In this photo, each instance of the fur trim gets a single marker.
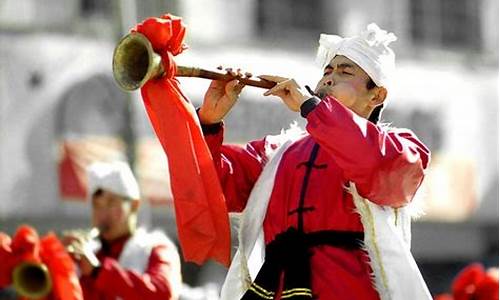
(293, 133)
(416, 208)
(387, 242)
(379, 278)
(251, 249)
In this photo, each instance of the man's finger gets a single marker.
(230, 71)
(273, 78)
(277, 88)
(234, 87)
(74, 251)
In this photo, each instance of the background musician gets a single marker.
(127, 262)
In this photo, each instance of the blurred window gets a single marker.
(289, 18)
(93, 107)
(446, 23)
(148, 8)
(92, 7)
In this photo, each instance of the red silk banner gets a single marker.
(200, 209)
(26, 246)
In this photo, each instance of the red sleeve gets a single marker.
(161, 280)
(386, 165)
(238, 167)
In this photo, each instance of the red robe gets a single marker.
(112, 281)
(387, 167)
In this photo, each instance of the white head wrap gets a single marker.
(116, 177)
(369, 50)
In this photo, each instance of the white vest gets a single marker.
(137, 250)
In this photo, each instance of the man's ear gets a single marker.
(379, 95)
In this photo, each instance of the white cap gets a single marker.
(369, 50)
(116, 177)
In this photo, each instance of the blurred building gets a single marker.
(60, 109)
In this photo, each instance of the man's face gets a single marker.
(347, 82)
(110, 214)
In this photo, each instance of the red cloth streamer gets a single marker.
(66, 285)
(473, 283)
(26, 246)
(201, 213)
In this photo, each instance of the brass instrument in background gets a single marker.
(84, 237)
(32, 280)
(135, 62)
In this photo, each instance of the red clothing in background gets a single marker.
(161, 279)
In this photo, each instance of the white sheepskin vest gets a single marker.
(137, 250)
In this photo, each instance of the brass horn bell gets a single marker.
(135, 62)
(32, 280)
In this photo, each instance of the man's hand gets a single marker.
(288, 90)
(220, 98)
(81, 253)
